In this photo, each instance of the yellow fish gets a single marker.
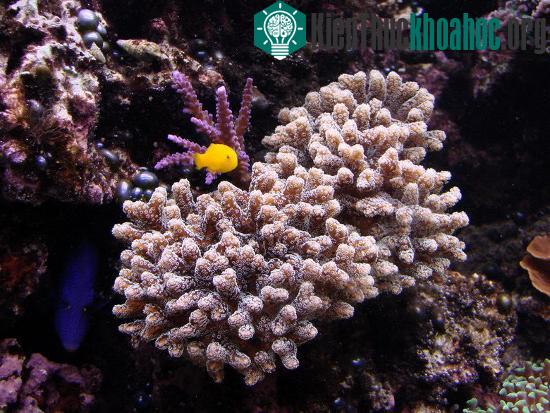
(218, 159)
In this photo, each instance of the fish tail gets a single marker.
(198, 161)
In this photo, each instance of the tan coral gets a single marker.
(369, 136)
(537, 263)
(238, 277)
(340, 212)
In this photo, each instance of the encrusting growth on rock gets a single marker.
(341, 213)
(32, 383)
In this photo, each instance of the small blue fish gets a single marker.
(76, 293)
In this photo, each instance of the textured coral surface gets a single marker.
(369, 137)
(237, 276)
(537, 263)
(525, 389)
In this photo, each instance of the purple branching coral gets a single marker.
(225, 130)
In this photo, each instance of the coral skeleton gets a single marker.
(225, 130)
(239, 277)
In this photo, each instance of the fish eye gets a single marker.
(227, 156)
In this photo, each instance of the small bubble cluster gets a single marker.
(140, 189)
(204, 53)
(91, 30)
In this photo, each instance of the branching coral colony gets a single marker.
(341, 212)
(225, 131)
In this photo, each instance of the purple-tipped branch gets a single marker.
(192, 104)
(186, 144)
(243, 169)
(210, 177)
(226, 130)
(224, 120)
(203, 127)
(184, 159)
(243, 120)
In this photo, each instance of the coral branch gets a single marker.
(224, 131)
(224, 120)
(210, 177)
(176, 159)
(205, 128)
(243, 120)
(192, 104)
(186, 144)
(243, 169)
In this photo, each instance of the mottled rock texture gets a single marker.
(35, 384)
(50, 101)
(59, 98)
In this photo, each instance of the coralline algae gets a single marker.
(34, 384)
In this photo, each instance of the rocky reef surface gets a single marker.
(86, 100)
(35, 384)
